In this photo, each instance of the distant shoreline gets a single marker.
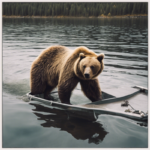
(119, 16)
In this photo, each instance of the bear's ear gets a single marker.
(100, 57)
(81, 55)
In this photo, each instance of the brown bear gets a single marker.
(62, 67)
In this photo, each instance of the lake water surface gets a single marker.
(32, 125)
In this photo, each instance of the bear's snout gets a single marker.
(87, 72)
(87, 75)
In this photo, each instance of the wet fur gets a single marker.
(59, 66)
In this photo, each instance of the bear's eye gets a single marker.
(92, 67)
(84, 66)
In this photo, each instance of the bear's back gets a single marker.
(50, 63)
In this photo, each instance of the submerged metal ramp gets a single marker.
(91, 111)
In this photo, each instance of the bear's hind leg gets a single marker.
(65, 88)
(37, 87)
(47, 92)
(91, 89)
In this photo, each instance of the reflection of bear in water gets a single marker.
(79, 129)
(59, 66)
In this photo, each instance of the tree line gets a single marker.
(73, 9)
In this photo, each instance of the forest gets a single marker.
(73, 9)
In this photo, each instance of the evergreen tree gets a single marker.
(73, 9)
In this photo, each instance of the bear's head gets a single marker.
(89, 66)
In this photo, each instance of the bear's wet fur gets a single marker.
(58, 66)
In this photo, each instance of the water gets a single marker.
(33, 125)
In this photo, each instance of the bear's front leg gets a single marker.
(65, 87)
(91, 89)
